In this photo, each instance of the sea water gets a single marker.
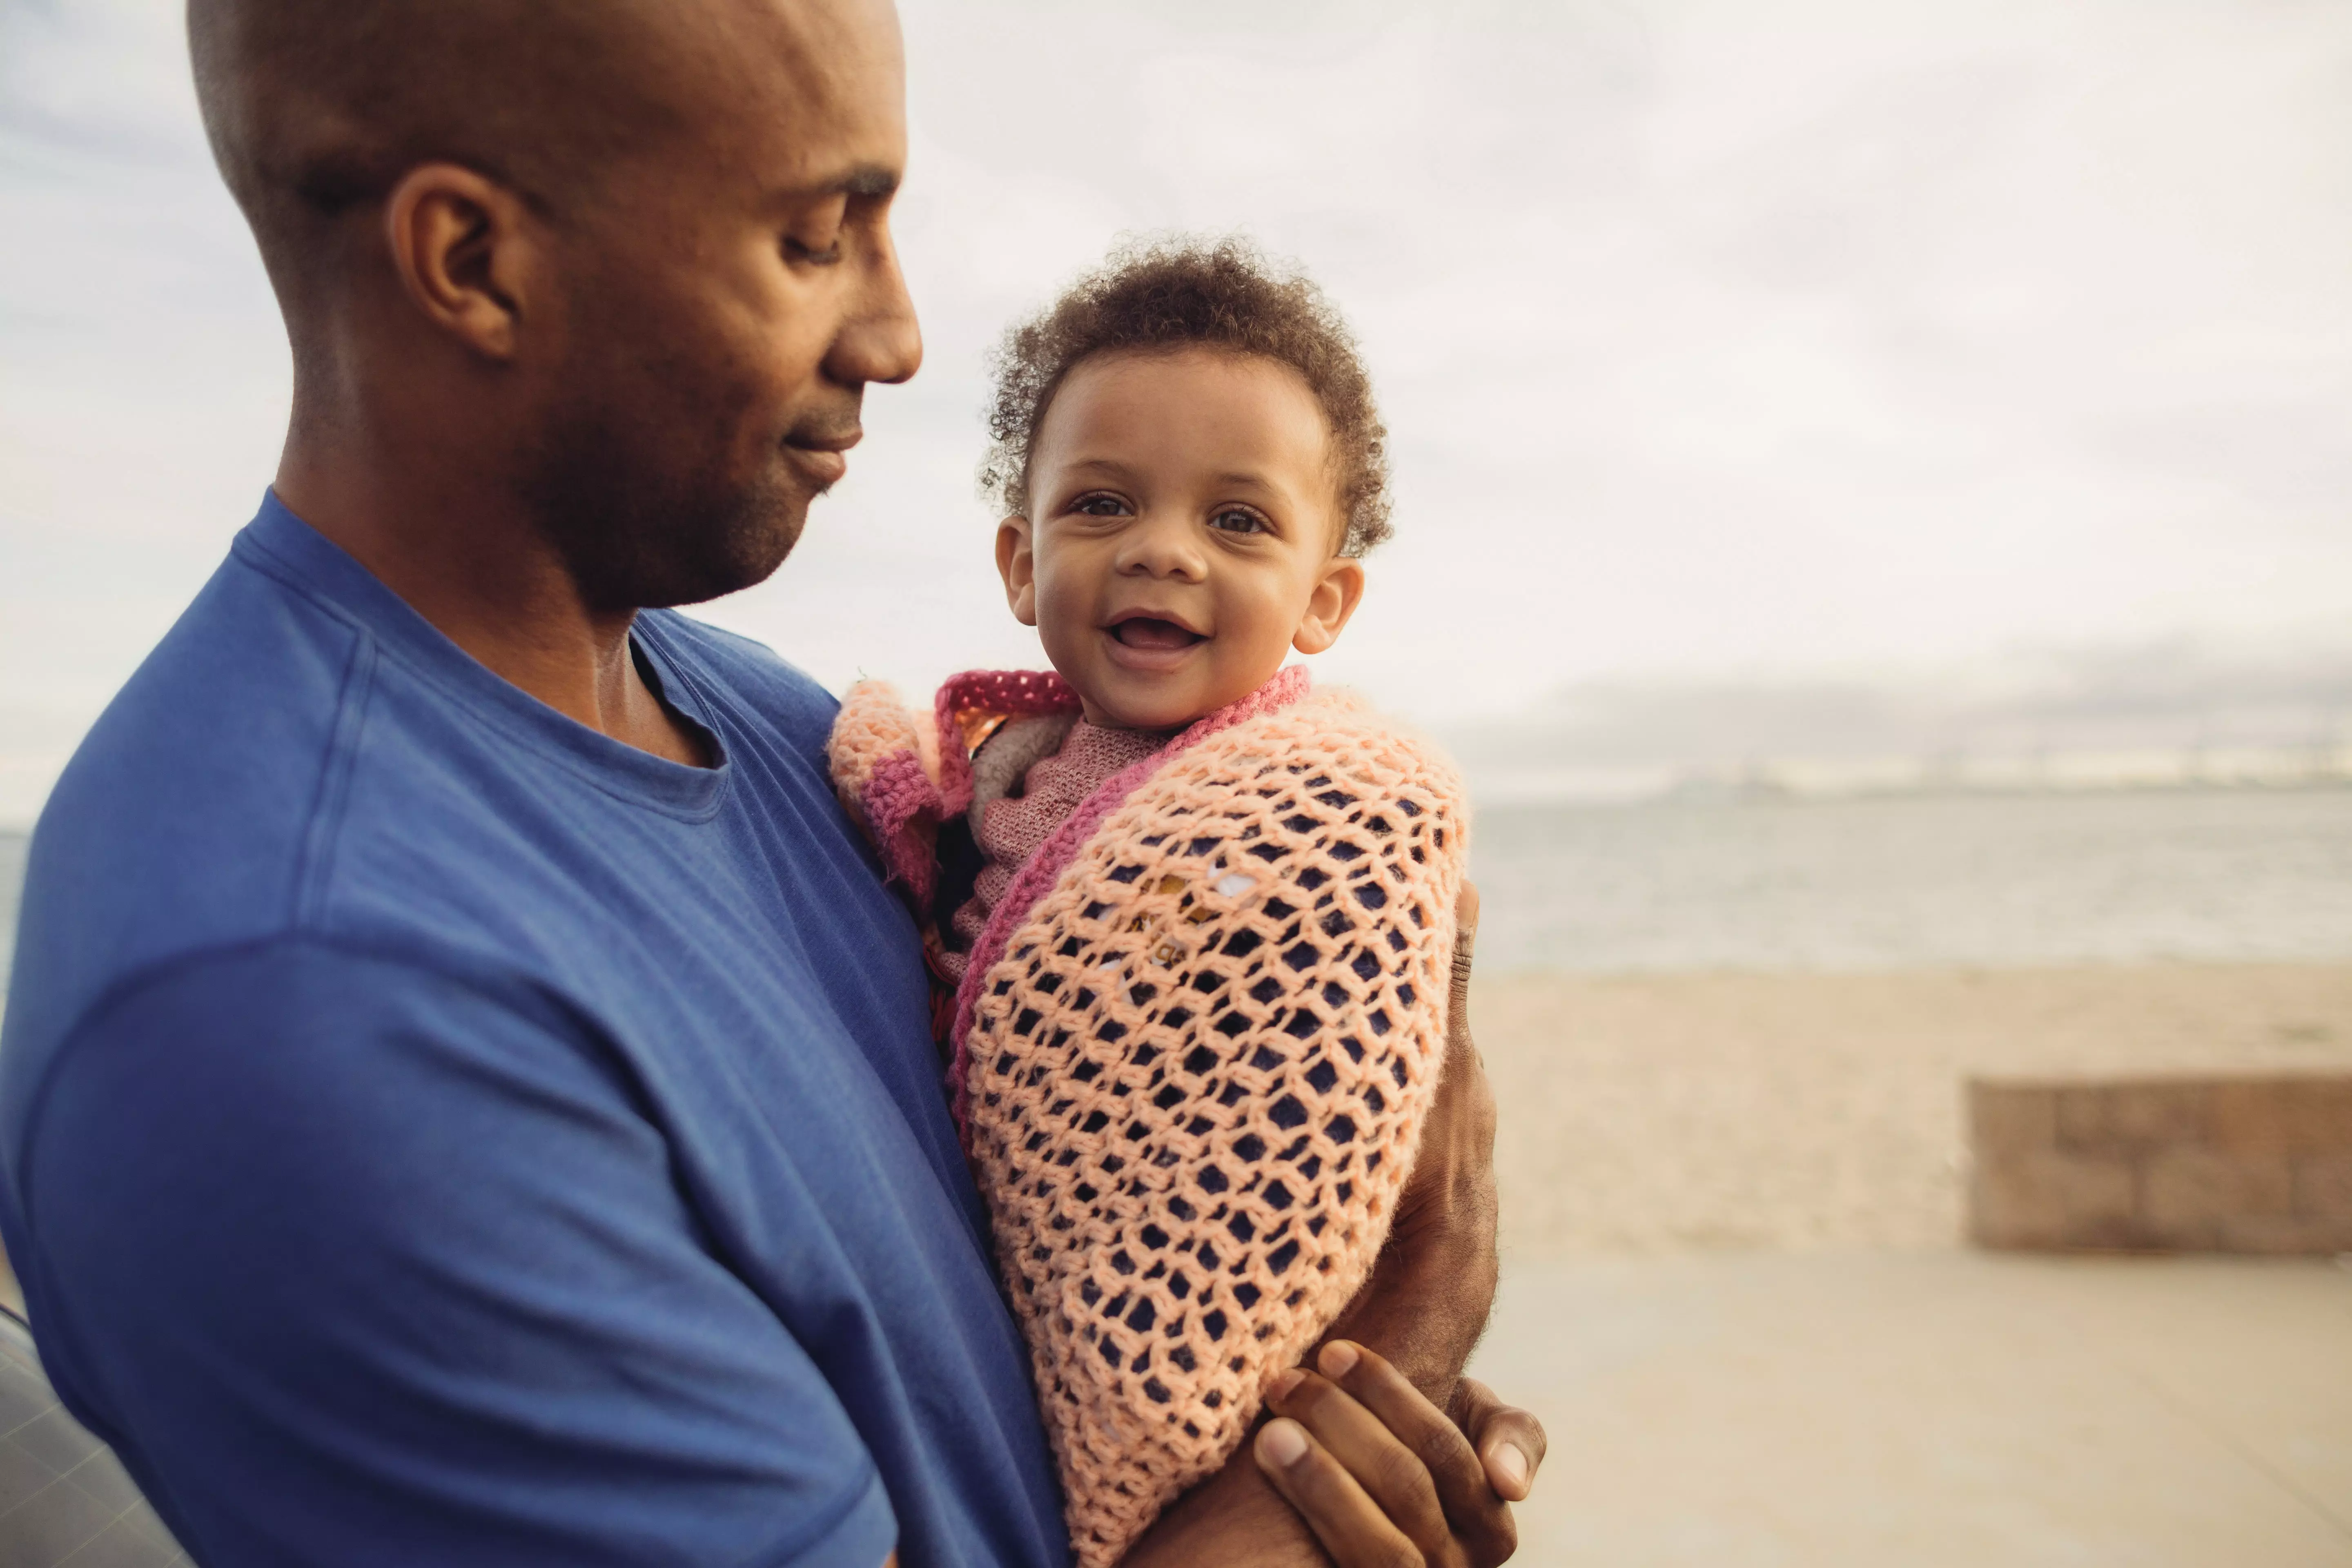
(1888, 882)
(1918, 881)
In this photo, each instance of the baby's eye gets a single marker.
(1233, 519)
(1100, 506)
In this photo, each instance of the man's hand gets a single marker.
(1426, 1302)
(1359, 1464)
(1383, 1477)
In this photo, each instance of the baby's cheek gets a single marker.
(1062, 614)
(1267, 625)
(1066, 648)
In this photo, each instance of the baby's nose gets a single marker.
(1162, 551)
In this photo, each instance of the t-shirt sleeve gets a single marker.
(360, 1263)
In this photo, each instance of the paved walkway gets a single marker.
(1921, 1409)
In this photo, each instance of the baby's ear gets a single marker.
(1336, 594)
(1018, 566)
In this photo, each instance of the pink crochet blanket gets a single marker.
(1192, 1054)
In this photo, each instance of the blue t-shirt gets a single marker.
(436, 1133)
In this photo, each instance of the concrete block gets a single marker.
(2323, 1186)
(2320, 1115)
(2125, 1118)
(2284, 1235)
(2050, 1200)
(2283, 1116)
(2256, 1164)
(2185, 1194)
(2249, 1118)
(2009, 1206)
(2005, 1118)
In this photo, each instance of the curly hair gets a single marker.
(1170, 293)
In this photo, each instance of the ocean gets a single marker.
(1917, 881)
(1888, 882)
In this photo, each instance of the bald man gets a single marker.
(466, 1096)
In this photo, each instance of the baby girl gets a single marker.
(1191, 920)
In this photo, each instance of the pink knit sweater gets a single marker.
(1193, 1048)
(1010, 829)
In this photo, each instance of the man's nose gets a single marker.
(881, 340)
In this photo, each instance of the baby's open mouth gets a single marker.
(1149, 631)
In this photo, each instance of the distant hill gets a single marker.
(2161, 713)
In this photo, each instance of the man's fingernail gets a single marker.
(1282, 1443)
(1283, 1382)
(1511, 1466)
(1339, 1359)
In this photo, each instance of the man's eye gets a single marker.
(1102, 506)
(812, 231)
(1233, 520)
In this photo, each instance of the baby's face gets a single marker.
(1183, 533)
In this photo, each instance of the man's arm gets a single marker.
(360, 1264)
(1427, 1303)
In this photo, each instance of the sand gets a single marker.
(1822, 1112)
(1932, 1409)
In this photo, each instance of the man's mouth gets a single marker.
(1154, 634)
(819, 454)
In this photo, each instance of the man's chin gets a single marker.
(634, 540)
(747, 555)
(664, 556)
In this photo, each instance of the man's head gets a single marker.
(627, 260)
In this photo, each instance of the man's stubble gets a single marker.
(639, 480)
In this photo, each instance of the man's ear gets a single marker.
(466, 254)
(1017, 564)
(1337, 594)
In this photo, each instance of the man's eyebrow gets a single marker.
(866, 180)
(859, 180)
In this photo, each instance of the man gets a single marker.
(466, 1096)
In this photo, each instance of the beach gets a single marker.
(1735, 1292)
(1793, 1112)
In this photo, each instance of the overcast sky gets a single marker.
(1738, 344)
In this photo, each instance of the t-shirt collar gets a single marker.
(314, 561)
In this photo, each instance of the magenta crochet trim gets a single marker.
(898, 793)
(1037, 876)
(1009, 694)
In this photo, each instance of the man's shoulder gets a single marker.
(185, 807)
(183, 821)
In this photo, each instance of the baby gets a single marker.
(1191, 920)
